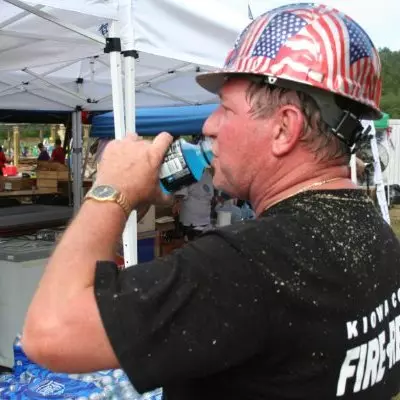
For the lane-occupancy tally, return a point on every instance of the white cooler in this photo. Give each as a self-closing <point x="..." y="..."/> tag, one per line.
<point x="21" y="267"/>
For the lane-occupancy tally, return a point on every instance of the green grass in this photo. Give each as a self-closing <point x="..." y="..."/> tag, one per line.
<point x="396" y="227"/>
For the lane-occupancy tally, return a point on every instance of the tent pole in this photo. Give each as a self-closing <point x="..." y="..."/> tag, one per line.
<point x="378" y="178"/>
<point x="353" y="169"/>
<point x="114" y="48"/>
<point x="77" y="159"/>
<point x="74" y="189"/>
<point x="130" y="233"/>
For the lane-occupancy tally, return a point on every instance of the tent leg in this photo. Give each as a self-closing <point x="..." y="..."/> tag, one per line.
<point x="378" y="178"/>
<point x="130" y="232"/>
<point x="77" y="158"/>
<point x="353" y="169"/>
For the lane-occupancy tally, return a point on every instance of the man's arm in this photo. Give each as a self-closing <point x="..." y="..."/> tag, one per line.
<point x="63" y="328"/>
<point x="64" y="309"/>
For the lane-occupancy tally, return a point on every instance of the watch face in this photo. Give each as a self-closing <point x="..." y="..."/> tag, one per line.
<point x="104" y="191"/>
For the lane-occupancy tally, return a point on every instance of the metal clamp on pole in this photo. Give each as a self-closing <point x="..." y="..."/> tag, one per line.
<point x="131" y="53"/>
<point x="112" y="45"/>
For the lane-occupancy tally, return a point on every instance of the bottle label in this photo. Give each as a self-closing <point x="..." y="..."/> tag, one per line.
<point x="175" y="173"/>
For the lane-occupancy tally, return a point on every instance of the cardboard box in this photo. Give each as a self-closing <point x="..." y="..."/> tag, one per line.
<point x="46" y="183"/>
<point x="17" y="183"/>
<point x="62" y="175"/>
<point x="46" y="174"/>
<point x="51" y="166"/>
<point x="57" y="175"/>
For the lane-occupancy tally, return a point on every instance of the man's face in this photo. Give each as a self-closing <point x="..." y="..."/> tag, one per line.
<point x="240" y="143"/>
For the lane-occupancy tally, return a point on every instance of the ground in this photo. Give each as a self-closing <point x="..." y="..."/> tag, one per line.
<point x="396" y="228"/>
<point x="395" y="219"/>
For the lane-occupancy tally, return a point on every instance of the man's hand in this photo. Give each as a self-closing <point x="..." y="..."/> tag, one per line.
<point x="132" y="166"/>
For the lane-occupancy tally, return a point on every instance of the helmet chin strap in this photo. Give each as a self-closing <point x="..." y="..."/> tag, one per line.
<point x="344" y="124"/>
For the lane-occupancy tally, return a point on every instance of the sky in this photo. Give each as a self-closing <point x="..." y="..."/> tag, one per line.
<point x="379" y="18"/>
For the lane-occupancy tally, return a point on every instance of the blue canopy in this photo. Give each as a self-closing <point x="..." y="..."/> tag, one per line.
<point x="177" y="121"/>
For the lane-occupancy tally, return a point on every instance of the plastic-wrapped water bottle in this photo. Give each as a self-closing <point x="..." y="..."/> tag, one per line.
<point x="184" y="164"/>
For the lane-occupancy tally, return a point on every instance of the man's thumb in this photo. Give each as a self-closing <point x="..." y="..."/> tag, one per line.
<point x="161" y="144"/>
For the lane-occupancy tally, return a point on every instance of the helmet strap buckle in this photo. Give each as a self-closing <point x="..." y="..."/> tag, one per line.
<point x="349" y="128"/>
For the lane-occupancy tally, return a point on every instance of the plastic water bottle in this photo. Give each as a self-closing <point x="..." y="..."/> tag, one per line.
<point x="184" y="164"/>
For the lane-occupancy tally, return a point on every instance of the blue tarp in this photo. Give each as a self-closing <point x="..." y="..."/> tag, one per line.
<point x="178" y="121"/>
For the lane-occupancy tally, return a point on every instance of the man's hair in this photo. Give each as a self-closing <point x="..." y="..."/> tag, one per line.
<point x="58" y="142"/>
<point x="40" y="146"/>
<point x="266" y="99"/>
<point x="1" y="148"/>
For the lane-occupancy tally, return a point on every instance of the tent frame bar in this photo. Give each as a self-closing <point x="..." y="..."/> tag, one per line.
<point x="59" y="87"/>
<point x="18" y="17"/>
<point x="55" y="20"/>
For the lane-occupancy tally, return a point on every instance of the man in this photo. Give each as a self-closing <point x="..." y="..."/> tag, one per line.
<point x="43" y="155"/>
<point x="58" y="154"/>
<point x="193" y="205"/>
<point x="302" y="303"/>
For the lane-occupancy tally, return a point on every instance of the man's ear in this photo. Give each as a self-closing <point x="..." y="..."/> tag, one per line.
<point x="287" y="130"/>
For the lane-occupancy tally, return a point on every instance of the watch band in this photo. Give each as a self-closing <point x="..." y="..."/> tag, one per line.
<point x="124" y="203"/>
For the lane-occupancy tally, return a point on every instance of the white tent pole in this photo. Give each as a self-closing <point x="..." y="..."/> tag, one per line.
<point x="74" y="192"/>
<point x="353" y="169"/>
<point x="56" y="85"/>
<point x="77" y="159"/>
<point x="130" y="233"/>
<point x="387" y="169"/>
<point x="116" y="83"/>
<point x="378" y="178"/>
<point x="55" y="20"/>
<point x="114" y="48"/>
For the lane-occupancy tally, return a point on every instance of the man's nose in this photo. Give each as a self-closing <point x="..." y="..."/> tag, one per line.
<point x="210" y="127"/>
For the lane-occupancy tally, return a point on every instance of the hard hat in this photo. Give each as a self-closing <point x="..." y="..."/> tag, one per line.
<point x="308" y="46"/>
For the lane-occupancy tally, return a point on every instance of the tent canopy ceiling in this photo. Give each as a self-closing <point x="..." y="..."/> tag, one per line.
<point x="53" y="68"/>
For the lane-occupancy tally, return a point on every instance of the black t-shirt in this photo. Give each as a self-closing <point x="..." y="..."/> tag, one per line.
<point x="303" y="303"/>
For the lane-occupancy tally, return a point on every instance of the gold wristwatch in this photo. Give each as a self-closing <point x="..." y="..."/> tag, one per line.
<point x="107" y="193"/>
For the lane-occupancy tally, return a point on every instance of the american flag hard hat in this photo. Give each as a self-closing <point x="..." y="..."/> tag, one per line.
<point x="310" y="44"/>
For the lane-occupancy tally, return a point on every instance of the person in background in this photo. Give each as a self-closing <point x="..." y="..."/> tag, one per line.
<point x="193" y="205"/>
<point x="225" y="203"/>
<point x="58" y="154"/>
<point x="3" y="160"/>
<point x="43" y="155"/>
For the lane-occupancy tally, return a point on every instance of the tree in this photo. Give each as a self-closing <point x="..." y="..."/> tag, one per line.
<point x="390" y="102"/>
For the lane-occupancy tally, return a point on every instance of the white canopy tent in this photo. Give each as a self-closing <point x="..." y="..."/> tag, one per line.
<point x="165" y="44"/>
<point x="44" y="66"/>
